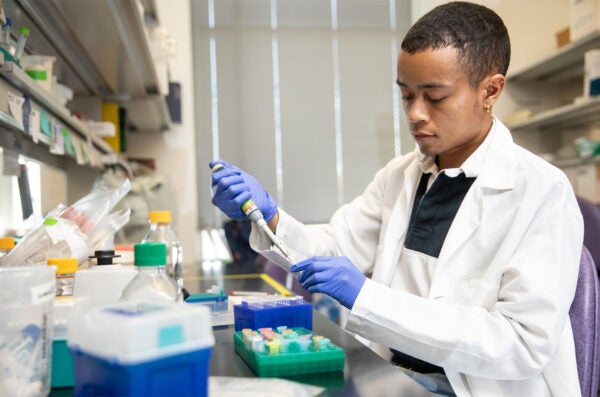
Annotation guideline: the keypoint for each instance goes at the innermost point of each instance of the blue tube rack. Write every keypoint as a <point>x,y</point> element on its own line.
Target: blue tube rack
<point>273,312</point>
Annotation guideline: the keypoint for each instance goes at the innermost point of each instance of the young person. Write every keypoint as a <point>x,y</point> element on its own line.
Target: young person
<point>471,243</point>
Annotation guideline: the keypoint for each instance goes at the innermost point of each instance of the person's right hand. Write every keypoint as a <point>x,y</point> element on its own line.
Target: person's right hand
<point>232,187</point>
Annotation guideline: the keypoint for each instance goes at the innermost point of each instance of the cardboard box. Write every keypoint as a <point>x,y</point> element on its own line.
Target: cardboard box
<point>563,37</point>
<point>585,17</point>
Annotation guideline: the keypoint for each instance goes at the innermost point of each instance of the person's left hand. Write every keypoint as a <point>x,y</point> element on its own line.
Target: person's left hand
<point>335,276</point>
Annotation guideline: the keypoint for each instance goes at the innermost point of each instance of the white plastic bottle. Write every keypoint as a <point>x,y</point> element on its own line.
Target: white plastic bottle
<point>151,284</point>
<point>161,231</point>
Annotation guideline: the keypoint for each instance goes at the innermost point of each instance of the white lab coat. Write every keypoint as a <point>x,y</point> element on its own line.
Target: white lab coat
<point>496,315</point>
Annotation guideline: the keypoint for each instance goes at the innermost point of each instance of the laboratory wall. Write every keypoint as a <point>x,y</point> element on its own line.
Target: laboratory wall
<point>531,25</point>
<point>174,150</point>
<point>301,94</point>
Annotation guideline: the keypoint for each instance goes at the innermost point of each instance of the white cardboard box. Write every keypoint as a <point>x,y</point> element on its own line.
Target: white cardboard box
<point>584,17</point>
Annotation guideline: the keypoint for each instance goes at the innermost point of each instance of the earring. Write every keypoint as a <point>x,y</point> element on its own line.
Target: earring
<point>488,108</point>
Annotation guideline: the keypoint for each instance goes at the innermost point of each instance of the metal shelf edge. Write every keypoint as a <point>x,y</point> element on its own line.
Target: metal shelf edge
<point>545,118</point>
<point>563,58</point>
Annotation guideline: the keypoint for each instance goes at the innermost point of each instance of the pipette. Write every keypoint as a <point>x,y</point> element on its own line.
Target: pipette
<point>254,214</point>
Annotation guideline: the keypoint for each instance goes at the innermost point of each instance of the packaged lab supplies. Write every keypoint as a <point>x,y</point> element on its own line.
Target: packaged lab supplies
<point>584,18</point>
<point>591,73</point>
<point>154,350</point>
<point>284,351</point>
<point>39,68</point>
<point>26,310</point>
<point>272,311</point>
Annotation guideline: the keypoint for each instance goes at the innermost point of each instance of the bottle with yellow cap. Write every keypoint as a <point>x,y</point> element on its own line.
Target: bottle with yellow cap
<point>65,274</point>
<point>162,232</point>
<point>6,244</point>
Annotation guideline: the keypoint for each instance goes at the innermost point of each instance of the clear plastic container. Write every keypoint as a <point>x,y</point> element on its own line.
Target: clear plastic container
<point>65,274</point>
<point>6,244</point>
<point>161,231</point>
<point>151,284</point>
<point>26,310</point>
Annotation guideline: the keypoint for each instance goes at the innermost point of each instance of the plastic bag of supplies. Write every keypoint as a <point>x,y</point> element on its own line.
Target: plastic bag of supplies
<point>74,231</point>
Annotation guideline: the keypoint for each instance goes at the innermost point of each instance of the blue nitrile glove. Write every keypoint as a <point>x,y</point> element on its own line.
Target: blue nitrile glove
<point>232,187</point>
<point>335,276</point>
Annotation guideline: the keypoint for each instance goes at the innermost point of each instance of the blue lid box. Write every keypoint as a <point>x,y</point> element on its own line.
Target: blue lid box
<point>215,302</point>
<point>273,312</point>
<point>141,350</point>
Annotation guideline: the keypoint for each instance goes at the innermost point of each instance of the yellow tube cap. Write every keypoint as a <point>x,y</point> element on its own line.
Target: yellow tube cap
<point>7,243</point>
<point>160,216</point>
<point>63,265</point>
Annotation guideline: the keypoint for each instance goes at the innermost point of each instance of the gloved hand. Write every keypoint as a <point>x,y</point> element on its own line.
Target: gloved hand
<point>335,276</point>
<point>232,187</point>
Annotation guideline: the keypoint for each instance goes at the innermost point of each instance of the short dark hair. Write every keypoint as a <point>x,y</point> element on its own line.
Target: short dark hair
<point>477,32</point>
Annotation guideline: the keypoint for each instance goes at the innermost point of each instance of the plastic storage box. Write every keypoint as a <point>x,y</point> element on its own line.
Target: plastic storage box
<point>313,356</point>
<point>215,302</point>
<point>272,312</point>
<point>26,316</point>
<point>62,361</point>
<point>141,350</point>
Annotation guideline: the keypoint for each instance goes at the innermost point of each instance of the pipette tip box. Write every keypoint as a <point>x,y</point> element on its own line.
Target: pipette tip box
<point>303,352</point>
<point>272,311</point>
<point>141,350</point>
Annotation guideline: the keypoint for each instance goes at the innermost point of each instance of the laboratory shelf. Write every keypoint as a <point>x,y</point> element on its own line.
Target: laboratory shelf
<point>148,114</point>
<point>24,84</point>
<point>564,64</point>
<point>113,61</point>
<point>584,112</point>
<point>575,161</point>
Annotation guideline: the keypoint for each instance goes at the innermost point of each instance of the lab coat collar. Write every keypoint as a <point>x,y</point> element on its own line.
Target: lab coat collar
<point>499,167</point>
<point>493,161</point>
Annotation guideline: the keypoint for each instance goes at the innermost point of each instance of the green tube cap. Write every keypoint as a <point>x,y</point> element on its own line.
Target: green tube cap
<point>150,254</point>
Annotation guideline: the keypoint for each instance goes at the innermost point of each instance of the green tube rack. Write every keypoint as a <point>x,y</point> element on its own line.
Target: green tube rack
<point>292,362</point>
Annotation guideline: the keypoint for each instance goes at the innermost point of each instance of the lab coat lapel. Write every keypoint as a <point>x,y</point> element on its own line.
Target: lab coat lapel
<point>465,223</point>
<point>497,174</point>
<point>397,227</point>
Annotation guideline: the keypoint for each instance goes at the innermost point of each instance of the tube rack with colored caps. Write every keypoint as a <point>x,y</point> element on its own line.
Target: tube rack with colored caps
<point>287,351</point>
